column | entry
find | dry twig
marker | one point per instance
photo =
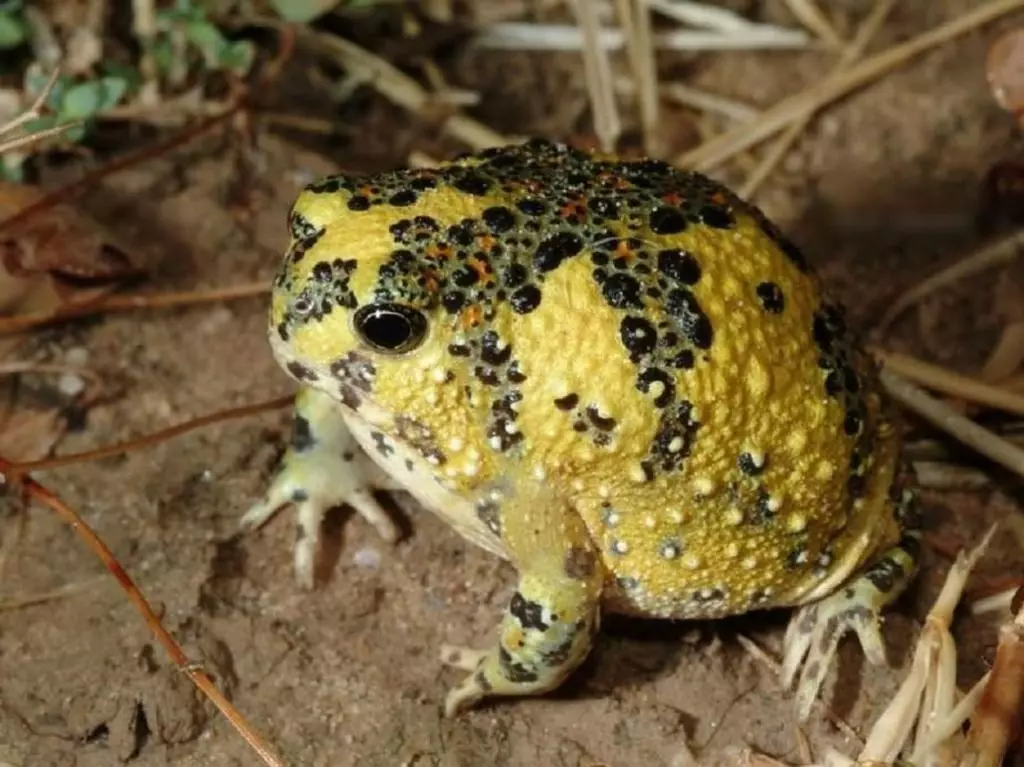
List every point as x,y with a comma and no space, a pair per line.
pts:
993,254
951,383
721,148
153,438
30,320
954,424
31,489
850,56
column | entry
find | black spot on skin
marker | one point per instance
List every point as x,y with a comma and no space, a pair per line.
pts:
302,435
667,220
499,219
514,374
691,319
472,183
453,301
556,249
526,299
459,350
771,297
568,402
349,396
749,467
622,291
354,369
599,421
402,198
530,614
513,670
489,512
884,574
559,655
491,351
676,423
384,447
358,202
300,496
680,266
638,336
715,217
322,271
797,557
532,207
300,372
763,512
482,681
649,377
684,360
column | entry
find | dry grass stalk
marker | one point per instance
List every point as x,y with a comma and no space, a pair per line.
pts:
951,383
871,24
811,16
993,254
1000,712
927,710
718,150
393,84
950,421
635,18
1007,355
597,70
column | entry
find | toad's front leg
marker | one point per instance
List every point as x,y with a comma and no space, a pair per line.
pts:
323,467
551,620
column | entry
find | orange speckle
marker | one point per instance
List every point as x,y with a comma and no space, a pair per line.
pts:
486,242
482,269
673,198
718,198
431,283
471,316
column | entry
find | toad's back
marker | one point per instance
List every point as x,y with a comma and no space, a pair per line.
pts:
647,344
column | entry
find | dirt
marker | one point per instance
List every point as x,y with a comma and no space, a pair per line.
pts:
881,189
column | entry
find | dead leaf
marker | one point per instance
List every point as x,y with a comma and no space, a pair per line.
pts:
55,257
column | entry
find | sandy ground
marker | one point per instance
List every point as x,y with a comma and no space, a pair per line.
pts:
880,190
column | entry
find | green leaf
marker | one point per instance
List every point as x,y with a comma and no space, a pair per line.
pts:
82,100
238,57
75,133
11,6
302,11
12,31
11,169
208,39
113,88
163,55
41,123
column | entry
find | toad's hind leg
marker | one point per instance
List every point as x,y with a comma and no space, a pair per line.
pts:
548,629
323,467
815,630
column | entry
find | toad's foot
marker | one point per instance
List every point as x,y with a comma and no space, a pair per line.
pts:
323,467
548,629
815,629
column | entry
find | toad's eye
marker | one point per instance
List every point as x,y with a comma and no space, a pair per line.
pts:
390,328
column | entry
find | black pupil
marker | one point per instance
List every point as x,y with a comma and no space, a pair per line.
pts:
387,329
